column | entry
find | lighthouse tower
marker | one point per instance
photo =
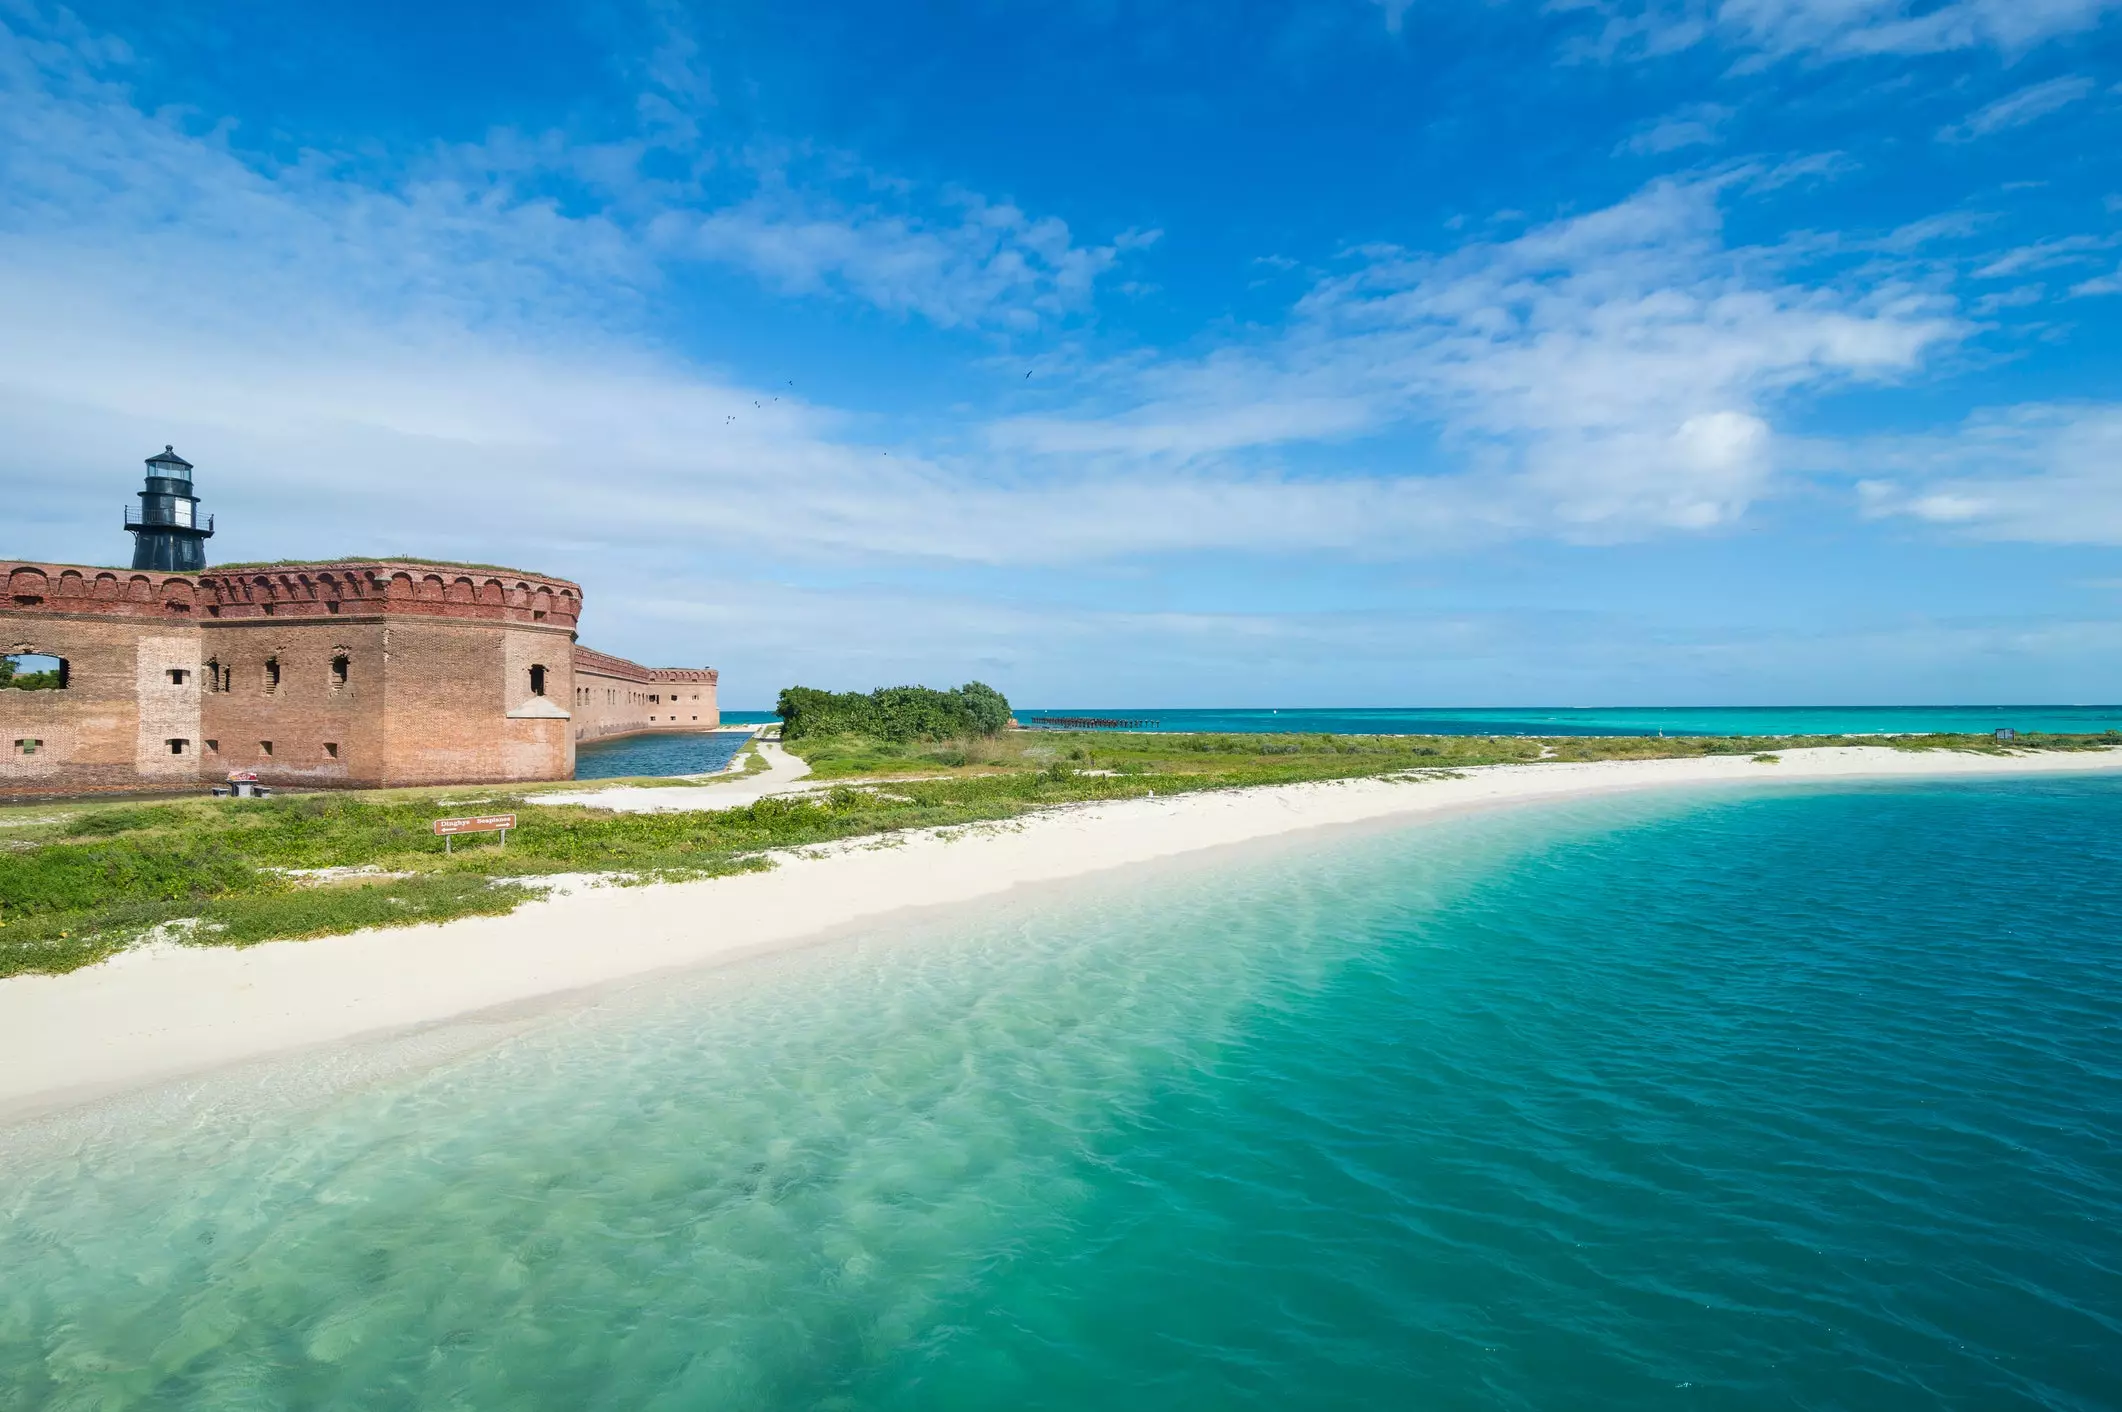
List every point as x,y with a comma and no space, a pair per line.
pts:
167,532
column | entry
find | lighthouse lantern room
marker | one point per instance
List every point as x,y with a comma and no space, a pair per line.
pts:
167,531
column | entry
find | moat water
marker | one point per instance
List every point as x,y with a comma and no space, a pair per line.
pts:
667,753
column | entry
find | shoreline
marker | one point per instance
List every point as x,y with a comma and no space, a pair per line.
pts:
162,1013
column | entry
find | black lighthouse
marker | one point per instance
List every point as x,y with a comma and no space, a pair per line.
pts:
167,532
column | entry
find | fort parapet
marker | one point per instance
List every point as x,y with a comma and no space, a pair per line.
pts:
348,673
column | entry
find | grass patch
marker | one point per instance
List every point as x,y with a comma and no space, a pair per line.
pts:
104,822
332,911
80,881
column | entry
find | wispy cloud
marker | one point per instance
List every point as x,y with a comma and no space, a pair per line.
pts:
1605,376
459,338
968,261
2098,284
2029,104
1697,125
2057,252
1835,28
2045,473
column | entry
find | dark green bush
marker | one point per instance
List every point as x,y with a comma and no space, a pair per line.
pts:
893,713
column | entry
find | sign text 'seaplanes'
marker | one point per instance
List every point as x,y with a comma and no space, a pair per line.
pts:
485,823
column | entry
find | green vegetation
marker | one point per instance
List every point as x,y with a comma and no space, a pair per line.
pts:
373,559
894,713
79,881
13,677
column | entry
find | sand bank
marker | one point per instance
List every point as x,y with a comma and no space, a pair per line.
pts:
159,1013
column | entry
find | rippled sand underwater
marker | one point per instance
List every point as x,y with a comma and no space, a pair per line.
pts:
1809,1099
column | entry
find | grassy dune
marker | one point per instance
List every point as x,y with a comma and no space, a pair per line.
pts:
79,881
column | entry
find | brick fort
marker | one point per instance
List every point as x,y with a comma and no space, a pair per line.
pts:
355,673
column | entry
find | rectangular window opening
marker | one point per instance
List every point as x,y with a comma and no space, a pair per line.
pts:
177,746
272,674
178,676
265,747
28,747
340,667
33,671
331,748
213,747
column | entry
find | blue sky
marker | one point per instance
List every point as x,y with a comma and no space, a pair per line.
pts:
1573,352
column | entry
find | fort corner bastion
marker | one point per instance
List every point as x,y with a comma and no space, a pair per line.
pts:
355,673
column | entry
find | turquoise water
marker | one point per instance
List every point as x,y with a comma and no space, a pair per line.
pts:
1796,1100
1637,720
657,753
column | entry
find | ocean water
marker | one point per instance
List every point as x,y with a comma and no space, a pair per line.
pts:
1637,720
1793,1099
657,753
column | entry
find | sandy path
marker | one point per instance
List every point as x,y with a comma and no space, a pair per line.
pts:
783,773
163,1012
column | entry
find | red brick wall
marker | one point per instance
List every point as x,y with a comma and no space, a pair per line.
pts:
613,696
121,634
438,686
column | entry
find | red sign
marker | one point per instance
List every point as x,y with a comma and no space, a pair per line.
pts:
486,823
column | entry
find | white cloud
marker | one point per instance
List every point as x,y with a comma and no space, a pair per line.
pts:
2045,473
2047,255
1604,376
1836,28
2029,104
2017,297
2099,284
1697,125
971,262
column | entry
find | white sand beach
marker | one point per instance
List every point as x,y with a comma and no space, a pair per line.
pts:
163,1012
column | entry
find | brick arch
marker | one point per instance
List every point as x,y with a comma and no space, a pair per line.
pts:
463,590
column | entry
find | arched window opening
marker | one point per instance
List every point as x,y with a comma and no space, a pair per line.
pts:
537,681
32,671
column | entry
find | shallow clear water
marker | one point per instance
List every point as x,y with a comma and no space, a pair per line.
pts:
1619,720
657,753
1811,1099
